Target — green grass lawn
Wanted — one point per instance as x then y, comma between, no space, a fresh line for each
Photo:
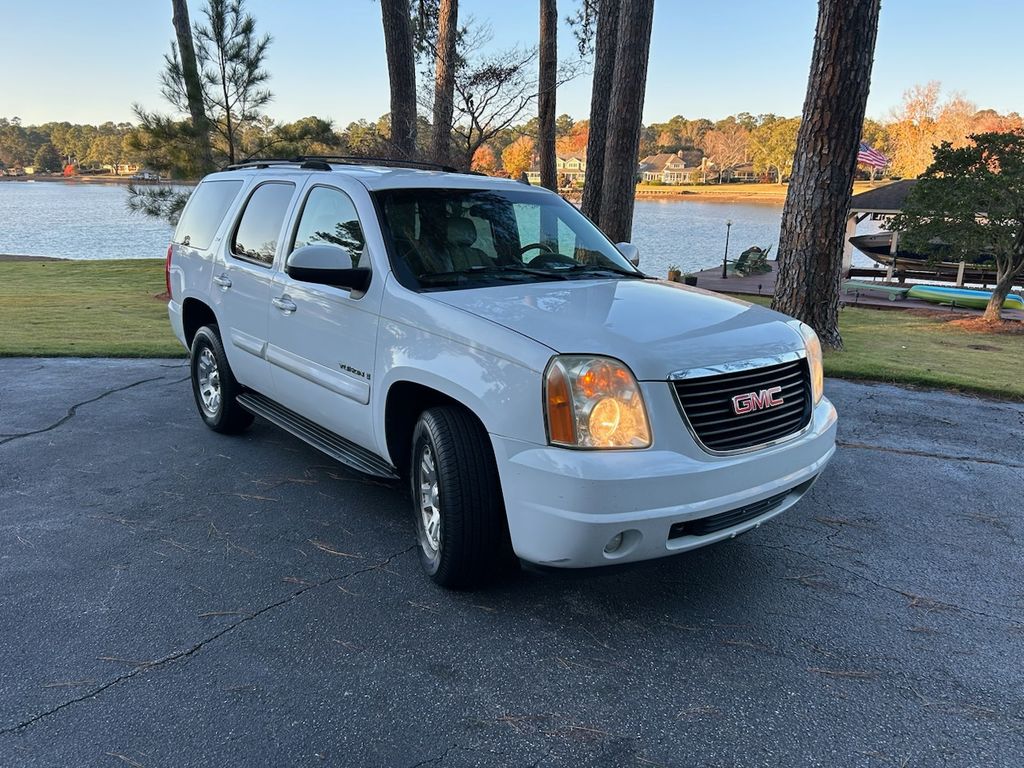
85,309
904,347
111,309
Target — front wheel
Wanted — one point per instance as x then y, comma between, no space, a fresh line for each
214,386
457,503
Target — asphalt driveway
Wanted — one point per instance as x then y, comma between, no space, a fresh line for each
172,597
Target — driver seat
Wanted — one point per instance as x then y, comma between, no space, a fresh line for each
461,237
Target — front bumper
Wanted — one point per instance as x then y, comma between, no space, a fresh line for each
564,506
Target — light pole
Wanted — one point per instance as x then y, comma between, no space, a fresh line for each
725,259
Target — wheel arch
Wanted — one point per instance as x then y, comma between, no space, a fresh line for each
404,403
195,313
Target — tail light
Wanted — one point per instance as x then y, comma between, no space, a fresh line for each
167,270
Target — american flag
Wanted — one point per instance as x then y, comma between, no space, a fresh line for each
871,157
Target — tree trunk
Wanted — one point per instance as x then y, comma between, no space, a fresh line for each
600,99
629,82
444,81
810,260
402,75
193,85
548,65
1004,283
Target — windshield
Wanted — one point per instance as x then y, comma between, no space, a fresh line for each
459,238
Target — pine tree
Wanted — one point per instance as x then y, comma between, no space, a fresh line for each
814,217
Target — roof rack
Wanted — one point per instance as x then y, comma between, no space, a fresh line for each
322,162
391,161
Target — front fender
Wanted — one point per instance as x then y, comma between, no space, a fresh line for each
504,395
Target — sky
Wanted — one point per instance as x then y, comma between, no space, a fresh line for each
89,62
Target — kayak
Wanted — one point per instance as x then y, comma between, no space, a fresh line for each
961,297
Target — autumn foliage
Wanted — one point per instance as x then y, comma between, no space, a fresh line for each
518,156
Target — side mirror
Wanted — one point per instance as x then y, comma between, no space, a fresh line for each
631,252
327,265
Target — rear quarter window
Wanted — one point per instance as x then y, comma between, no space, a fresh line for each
205,211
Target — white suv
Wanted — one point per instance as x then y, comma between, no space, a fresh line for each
483,339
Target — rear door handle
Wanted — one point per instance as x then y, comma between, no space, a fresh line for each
222,280
285,304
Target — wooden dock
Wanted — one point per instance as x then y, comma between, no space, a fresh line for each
764,285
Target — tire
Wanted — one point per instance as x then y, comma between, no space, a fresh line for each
463,536
214,385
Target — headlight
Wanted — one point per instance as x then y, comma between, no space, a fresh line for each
594,402
813,347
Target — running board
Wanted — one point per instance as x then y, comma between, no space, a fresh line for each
335,446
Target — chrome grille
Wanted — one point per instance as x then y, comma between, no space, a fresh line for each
707,405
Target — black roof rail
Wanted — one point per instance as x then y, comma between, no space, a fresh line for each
322,162
389,161
262,162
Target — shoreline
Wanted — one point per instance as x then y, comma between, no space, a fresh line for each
22,257
759,194
115,180
769,194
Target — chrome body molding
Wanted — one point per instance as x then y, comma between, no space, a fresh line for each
737,366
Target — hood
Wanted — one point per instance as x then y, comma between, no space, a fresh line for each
654,327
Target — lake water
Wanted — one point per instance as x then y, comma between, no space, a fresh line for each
91,221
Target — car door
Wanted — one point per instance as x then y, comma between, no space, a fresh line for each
242,281
323,338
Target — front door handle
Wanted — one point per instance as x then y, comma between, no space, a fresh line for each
285,304
222,280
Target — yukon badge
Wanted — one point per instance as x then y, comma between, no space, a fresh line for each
749,402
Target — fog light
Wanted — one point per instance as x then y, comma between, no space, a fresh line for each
613,544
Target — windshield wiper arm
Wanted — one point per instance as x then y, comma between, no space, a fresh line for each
498,270
595,268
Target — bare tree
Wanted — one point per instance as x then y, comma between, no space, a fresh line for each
445,64
814,218
193,85
629,82
600,101
548,66
398,42
726,147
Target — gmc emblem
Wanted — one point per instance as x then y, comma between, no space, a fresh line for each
749,402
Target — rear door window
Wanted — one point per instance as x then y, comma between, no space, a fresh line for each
260,226
205,211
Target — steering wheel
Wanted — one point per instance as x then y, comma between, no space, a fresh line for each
546,257
538,246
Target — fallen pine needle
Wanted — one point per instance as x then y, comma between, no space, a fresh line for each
68,683
330,550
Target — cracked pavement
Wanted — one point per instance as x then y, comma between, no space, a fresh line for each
173,597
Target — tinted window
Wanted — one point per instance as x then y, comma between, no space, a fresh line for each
204,212
329,217
256,236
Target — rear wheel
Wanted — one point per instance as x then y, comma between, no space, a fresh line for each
214,386
457,503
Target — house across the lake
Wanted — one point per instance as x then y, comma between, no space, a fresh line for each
687,166
571,170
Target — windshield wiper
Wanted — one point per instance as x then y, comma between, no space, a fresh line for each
498,271
598,269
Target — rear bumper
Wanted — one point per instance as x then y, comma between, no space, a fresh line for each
177,326
564,506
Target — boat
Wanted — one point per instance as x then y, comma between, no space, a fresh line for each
961,297
877,247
